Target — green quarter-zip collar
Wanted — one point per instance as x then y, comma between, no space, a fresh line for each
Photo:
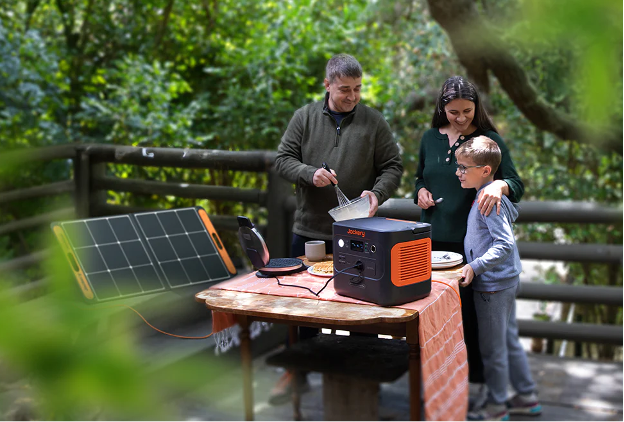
344,119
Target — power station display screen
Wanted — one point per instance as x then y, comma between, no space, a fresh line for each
357,245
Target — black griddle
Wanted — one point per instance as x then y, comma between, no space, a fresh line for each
254,246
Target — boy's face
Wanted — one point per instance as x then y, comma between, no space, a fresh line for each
475,176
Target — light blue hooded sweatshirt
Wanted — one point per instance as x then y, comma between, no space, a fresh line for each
490,247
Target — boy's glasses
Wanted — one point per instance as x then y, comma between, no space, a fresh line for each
462,168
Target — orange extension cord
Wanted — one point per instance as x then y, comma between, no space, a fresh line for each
151,326
456,292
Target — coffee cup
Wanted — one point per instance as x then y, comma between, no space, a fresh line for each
315,250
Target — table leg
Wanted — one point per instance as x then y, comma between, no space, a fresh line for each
245,340
414,369
293,336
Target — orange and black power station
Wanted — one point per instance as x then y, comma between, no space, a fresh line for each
392,260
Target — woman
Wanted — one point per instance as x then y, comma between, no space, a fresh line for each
459,116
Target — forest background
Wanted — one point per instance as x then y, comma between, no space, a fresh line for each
229,74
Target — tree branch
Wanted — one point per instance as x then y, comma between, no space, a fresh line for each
84,29
479,49
210,14
68,24
163,25
31,7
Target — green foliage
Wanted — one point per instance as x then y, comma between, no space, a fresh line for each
137,105
30,91
591,30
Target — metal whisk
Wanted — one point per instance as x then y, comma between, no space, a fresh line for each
342,199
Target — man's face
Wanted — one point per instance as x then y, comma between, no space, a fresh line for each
344,93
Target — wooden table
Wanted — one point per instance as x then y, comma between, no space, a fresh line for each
295,311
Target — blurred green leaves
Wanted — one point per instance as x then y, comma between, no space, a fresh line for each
76,361
138,106
72,372
592,32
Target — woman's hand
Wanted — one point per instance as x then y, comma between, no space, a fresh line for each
467,275
425,199
491,196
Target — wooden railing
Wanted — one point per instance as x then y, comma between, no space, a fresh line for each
90,184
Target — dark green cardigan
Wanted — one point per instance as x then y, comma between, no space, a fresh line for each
436,172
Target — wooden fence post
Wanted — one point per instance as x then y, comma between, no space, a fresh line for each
81,182
97,198
87,200
278,219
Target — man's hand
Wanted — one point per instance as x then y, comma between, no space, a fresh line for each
467,274
373,202
323,178
425,199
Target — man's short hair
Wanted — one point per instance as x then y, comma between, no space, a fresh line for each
482,151
342,65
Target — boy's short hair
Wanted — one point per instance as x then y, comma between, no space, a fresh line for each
482,150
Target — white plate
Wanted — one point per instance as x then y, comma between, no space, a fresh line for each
311,271
455,261
445,265
445,257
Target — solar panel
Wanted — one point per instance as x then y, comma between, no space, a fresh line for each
142,253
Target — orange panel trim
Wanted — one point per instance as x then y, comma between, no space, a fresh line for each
69,254
403,221
410,262
217,240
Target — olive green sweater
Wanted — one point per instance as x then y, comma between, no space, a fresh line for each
361,151
436,172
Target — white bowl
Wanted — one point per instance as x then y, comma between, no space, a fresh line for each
358,208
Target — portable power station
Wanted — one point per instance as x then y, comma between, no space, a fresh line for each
395,258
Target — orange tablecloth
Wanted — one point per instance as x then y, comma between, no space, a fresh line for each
442,348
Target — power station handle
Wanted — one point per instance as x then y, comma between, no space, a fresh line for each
326,167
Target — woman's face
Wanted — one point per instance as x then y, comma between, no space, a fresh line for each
460,114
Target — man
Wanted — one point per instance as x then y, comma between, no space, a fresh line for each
356,143
354,140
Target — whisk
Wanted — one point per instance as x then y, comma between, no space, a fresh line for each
342,199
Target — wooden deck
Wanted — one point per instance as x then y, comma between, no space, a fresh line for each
569,389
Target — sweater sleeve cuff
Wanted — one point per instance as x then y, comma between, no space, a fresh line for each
308,174
419,185
512,193
380,197
477,266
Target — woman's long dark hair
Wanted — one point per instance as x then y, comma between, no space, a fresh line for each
457,87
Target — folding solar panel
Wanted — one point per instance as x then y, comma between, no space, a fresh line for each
142,253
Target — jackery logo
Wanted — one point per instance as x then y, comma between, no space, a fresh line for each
356,232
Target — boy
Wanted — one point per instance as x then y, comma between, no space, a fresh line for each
493,269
